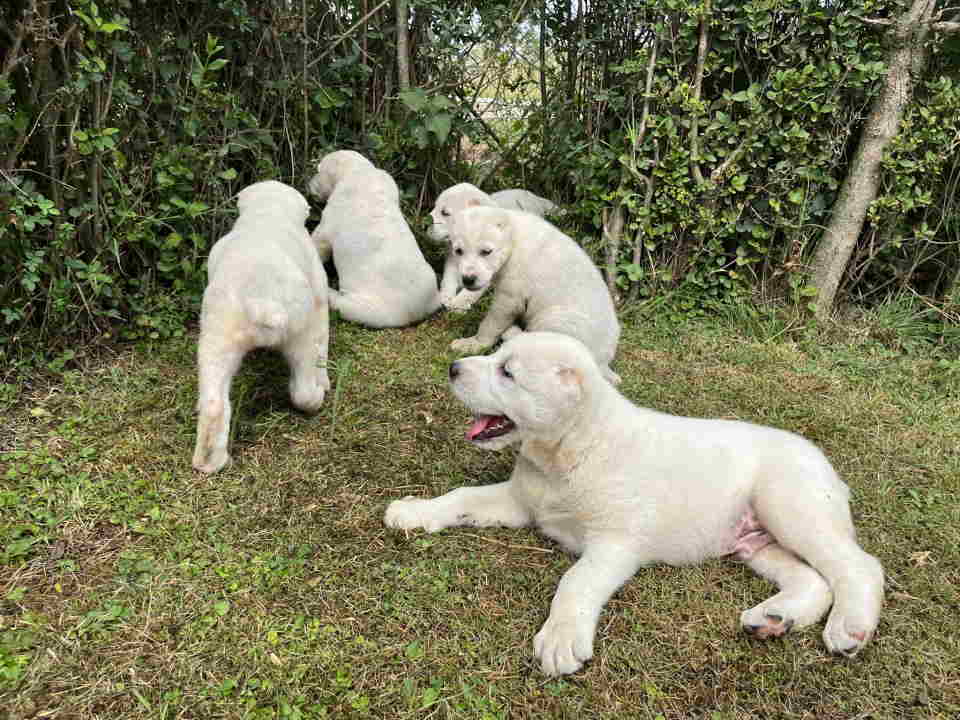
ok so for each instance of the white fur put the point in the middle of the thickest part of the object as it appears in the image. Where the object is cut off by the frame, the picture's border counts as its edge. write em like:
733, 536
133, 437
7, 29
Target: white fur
460, 197
266, 287
519, 199
542, 278
384, 279
625, 487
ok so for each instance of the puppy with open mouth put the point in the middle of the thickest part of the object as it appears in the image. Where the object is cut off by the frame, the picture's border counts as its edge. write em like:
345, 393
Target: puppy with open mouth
624, 487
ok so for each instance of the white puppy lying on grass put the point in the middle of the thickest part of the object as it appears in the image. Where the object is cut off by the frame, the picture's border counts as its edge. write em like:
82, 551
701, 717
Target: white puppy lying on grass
542, 277
625, 487
266, 287
460, 197
384, 279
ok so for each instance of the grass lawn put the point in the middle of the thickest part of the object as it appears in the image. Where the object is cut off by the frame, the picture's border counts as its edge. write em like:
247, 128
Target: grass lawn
133, 587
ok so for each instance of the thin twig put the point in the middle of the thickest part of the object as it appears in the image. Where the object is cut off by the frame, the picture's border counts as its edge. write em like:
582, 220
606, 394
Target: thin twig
347, 34
545, 551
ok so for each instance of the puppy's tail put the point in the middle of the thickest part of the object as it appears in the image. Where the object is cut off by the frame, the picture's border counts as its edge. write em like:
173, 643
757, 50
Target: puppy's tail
270, 319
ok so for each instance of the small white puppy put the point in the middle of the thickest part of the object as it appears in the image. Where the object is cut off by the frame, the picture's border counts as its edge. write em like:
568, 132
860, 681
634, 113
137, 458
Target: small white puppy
460, 197
384, 279
266, 287
542, 278
624, 487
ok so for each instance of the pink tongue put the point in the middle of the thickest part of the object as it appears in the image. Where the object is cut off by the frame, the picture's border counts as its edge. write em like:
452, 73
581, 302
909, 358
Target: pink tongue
479, 425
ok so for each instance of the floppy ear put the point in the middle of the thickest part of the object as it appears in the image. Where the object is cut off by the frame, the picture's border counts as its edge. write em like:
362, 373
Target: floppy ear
570, 380
502, 221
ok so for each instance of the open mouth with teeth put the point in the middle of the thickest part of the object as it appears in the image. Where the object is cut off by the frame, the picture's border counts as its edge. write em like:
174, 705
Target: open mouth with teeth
488, 427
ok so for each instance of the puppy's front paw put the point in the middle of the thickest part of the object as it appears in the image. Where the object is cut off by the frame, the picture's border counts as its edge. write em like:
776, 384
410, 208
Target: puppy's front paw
465, 346
412, 513
460, 302
563, 646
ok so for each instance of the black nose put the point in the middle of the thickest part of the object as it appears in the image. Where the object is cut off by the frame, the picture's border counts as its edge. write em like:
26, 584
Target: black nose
469, 281
454, 370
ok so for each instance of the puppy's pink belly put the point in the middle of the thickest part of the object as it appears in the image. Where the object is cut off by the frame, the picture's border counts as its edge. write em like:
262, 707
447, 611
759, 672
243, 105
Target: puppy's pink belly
749, 536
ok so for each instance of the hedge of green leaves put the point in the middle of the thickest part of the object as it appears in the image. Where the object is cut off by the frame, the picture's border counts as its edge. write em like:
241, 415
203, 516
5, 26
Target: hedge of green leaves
126, 128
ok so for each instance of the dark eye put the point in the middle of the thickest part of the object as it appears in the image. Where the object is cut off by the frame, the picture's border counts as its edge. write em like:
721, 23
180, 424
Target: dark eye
506, 373
486, 251
458, 251
445, 212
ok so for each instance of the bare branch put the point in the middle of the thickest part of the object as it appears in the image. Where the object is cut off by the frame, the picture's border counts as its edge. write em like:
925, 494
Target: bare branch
946, 27
721, 169
697, 89
878, 22
648, 89
347, 34
13, 57
403, 44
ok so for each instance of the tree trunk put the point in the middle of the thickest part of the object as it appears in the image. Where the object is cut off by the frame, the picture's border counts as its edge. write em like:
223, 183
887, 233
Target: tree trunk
403, 44
543, 74
908, 55
613, 222
703, 45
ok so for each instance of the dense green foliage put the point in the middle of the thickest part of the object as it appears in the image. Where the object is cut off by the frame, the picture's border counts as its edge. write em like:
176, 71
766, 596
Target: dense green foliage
125, 129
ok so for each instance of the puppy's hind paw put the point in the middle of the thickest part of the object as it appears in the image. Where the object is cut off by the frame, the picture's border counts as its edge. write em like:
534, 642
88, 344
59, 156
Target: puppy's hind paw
845, 637
307, 398
209, 464
765, 624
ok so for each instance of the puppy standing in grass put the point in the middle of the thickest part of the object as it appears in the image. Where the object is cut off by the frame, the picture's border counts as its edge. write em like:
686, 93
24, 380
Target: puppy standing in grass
384, 279
267, 288
542, 278
460, 197
624, 487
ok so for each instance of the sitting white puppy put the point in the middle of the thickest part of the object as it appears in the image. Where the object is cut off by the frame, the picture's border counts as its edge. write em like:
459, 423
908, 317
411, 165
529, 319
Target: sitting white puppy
384, 279
266, 287
460, 197
542, 277
625, 487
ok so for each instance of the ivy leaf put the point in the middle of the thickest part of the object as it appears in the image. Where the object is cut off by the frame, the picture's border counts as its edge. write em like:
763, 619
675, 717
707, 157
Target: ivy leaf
422, 136
415, 99
439, 125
